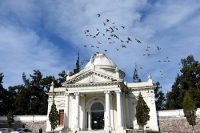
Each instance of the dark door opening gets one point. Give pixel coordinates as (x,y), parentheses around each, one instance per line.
(97,114)
(97,120)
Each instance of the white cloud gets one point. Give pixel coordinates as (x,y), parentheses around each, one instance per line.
(23,51)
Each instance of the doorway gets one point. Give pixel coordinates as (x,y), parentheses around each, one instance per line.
(97,114)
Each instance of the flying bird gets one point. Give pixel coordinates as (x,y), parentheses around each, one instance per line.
(112,30)
(129,39)
(98,15)
(107,30)
(107,20)
(97,33)
(158,48)
(123,27)
(116,36)
(138,41)
(123,46)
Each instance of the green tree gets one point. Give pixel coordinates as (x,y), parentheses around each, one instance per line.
(4,98)
(61,78)
(53,116)
(142,112)
(187,80)
(136,75)
(32,98)
(189,109)
(13,92)
(160,97)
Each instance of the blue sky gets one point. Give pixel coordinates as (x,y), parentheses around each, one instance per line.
(47,35)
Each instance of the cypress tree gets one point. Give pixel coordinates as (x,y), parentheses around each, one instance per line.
(136,75)
(77,69)
(142,112)
(189,109)
(53,116)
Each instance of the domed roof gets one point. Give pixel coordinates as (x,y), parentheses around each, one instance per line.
(101,60)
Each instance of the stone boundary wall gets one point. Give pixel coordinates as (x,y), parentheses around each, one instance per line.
(174,113)
(26,118)
(170,121)
(173,121)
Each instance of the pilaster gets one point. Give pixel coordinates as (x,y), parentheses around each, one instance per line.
(50,102)
(76,124)
(66,111)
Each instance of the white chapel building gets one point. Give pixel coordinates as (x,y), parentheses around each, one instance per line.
(97,99)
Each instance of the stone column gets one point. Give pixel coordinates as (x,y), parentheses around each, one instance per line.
(119,109)
(66,111)
(89,121)
(111,112)
(76,124)
(107,113)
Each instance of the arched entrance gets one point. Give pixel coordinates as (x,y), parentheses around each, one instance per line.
(97,114)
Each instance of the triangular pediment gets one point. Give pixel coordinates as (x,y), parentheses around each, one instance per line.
(91,76)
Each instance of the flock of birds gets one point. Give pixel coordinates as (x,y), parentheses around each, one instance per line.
(110,34)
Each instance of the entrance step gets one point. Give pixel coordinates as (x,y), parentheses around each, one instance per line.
(94,131)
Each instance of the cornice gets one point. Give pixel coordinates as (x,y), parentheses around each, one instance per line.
(91,84)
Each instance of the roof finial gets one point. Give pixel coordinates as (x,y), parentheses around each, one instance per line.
(52,88)
(149,76)
(150,79)
(116,69)
(67,77)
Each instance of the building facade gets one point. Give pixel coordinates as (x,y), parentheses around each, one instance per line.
(97,98)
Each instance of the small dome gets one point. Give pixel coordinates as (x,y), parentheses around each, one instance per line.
(100,60)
